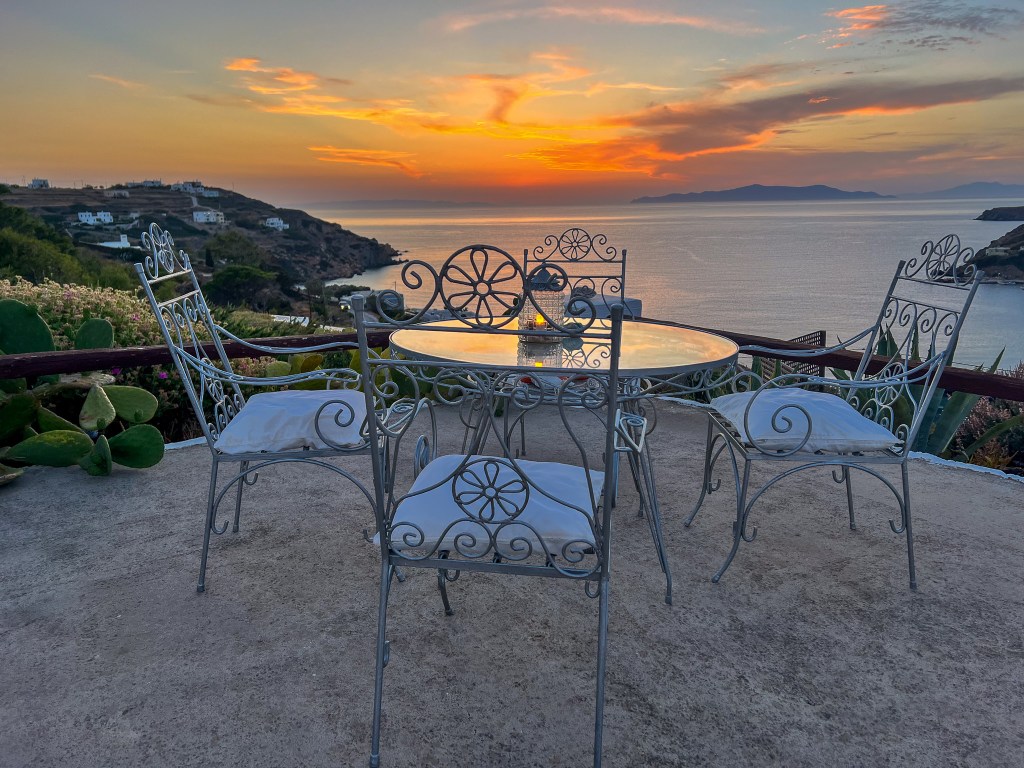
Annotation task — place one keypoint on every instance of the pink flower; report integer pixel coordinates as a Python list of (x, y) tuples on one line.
[(162, 375), (115, 371)]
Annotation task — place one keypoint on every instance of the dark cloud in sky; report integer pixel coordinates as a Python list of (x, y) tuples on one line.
[(936, 24)]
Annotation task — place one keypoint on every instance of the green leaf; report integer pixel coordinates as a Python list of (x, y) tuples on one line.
[(96, 333), (132, 404), (60, 448), (97, 410), (98, 462), (139, 447)]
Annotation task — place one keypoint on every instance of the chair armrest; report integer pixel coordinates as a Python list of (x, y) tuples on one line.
[(211, 371), (807, 353), (265, 350), (902, 378)]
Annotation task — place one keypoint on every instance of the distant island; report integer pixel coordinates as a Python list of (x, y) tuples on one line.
[(972, 190), (762, 193)]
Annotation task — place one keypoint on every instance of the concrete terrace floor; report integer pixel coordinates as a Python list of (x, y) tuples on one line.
[(811, 651)]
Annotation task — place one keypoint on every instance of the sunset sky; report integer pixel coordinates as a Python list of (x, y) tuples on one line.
[(511, 100)]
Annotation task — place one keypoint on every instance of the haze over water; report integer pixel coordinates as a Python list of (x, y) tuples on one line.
[(773, 269)]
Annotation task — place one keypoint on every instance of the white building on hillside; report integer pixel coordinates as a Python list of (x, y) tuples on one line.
[(207, 217), (117, 193), (92, 219), (275, 222), (39, 184), (209, 192)]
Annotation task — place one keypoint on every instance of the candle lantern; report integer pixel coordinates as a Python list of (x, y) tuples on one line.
[(545, 301)]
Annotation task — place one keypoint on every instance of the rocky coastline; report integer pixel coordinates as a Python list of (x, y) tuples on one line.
[(1003, 258)]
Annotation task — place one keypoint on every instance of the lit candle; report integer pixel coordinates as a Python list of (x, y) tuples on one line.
[(539, 323)]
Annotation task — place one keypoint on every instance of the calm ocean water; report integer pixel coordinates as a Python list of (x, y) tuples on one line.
[(774, 269)]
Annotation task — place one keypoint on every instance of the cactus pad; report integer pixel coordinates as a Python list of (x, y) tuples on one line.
[(132, 404), (22, 330), (49, 421), (98, 461), (97, 410), (96, 333), (16, 414), (138, 447), (9, 474), (60, 448)]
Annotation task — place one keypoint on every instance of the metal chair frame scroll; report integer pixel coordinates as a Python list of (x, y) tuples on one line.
[(924, 309), (485, 509), (215, 390)]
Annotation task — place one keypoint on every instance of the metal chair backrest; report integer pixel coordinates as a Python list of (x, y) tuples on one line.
[(592, 267), (916, 332), (189, 331), (485, 280)]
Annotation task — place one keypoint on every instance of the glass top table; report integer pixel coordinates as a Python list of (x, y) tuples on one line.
[(648, 349)]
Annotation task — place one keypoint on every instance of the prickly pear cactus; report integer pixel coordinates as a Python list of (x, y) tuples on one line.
[(22, 330), (59, 448), (132, 404), (97, 411), (138, 447), (98, 462), (96, 333)]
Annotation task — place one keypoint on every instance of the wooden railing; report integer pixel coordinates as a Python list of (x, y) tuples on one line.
[(77, 361)]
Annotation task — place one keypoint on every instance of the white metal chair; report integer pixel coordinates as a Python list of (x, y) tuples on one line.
[(491, 511), (800, 420), (267, 428), (593, 269)]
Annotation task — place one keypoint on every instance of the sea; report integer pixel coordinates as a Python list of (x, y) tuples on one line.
[(770, 269)]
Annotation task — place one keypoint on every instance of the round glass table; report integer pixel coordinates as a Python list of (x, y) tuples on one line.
[(648, 349)]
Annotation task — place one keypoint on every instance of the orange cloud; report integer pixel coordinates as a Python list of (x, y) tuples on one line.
[(865, 17), (372, 157), (658, 139), (277, 80)]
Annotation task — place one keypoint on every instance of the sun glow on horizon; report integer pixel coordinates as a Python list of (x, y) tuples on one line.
[(592, 101)]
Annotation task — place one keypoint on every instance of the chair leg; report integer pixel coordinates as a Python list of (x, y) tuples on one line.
[(910, 530), (602, 654), (849, 497), (634, 470), (442, 587), (706, 483), (383, 654), (242, 482), (210, 502), (654, 519), (741, 521)]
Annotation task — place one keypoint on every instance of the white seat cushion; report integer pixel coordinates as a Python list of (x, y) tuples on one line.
[(836, 426), (284, 421), (493, 492)]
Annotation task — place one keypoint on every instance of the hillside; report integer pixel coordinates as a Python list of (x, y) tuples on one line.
[(1003, 258), (762, 193), (309, 248), (1002, 214)]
